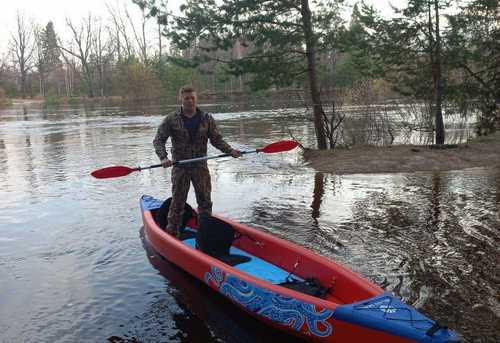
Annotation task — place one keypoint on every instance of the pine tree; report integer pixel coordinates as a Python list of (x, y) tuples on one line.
[(51, 52), (47, 55)]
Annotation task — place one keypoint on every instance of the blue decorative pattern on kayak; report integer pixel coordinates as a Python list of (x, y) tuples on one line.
[(149, 203), (278, 308)]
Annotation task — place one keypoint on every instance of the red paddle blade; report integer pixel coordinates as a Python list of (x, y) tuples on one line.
[(115, 171), (279, 147)]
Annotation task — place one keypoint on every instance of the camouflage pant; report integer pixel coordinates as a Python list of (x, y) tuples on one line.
[(181, 181)]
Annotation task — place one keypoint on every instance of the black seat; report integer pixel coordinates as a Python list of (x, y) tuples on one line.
[(215, 237)]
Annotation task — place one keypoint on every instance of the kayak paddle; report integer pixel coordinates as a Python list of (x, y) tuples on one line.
[(119, 171)]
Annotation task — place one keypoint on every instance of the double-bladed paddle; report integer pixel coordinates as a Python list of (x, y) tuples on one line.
[(118, 171)]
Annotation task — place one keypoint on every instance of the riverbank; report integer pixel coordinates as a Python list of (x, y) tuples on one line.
[(480, 152)]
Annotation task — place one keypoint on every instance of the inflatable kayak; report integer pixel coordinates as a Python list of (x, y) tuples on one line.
[(287, 286)]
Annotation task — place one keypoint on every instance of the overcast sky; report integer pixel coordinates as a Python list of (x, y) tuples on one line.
[(57, 10)]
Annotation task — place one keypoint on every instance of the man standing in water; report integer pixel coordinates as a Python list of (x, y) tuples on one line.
[(189, 129)]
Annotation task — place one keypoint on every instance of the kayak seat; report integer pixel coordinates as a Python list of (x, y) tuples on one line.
[(215, 237), (255, 266)]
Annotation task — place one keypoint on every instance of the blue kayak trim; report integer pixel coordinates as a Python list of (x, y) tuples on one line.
[(387, 313), (148, 203)]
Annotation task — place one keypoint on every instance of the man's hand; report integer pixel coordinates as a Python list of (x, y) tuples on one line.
[(235, 153), (166, 163)]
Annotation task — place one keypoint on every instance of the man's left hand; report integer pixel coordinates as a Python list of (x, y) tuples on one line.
[(235, 153)]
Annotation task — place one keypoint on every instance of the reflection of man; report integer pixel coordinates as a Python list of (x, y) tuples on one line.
[(189, 129)]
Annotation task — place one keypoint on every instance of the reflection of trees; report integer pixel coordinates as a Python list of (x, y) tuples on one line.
[(30, 165), (4, 160), (292, 220), (288, 220), (435, 209), (55, 154), (319, 191)]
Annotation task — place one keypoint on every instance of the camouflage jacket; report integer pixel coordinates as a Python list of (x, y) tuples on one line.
[(183, 147)]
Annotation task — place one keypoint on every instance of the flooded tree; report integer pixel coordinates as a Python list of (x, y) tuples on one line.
[(22, 47), (409, 46)]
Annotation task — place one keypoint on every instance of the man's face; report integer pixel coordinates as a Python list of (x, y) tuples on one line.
[(189, 101)]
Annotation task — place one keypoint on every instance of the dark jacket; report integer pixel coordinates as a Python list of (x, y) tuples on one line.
[(183, 146)]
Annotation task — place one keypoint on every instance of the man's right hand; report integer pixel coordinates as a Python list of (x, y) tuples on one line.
[(166, 163)]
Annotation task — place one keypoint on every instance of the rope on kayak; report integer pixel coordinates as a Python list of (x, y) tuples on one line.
[(389, 309), (435, 328)]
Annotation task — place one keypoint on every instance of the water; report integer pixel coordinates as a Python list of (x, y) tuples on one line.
[(73, 265)]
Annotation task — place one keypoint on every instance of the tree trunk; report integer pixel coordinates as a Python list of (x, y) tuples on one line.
[(23, 83), (43, 84), (438, 80), (159, 42), (319, 125), (88, 79)]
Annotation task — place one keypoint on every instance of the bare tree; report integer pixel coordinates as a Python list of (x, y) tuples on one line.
[(102, 52), (69, 72), (140, 37), (83, 38), (121, 34), (22, 47)]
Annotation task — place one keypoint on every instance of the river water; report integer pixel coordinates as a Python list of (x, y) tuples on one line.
[(74, 268)]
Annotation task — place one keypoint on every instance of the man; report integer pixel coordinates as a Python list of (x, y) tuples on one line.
[(189, 129)]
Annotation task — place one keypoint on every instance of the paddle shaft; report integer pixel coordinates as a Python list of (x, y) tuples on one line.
[(118, 171), (198, 159)]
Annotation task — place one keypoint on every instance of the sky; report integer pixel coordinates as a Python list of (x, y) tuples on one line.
[(57, 10)]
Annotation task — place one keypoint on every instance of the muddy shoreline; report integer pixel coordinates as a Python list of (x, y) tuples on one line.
[(481, 152)]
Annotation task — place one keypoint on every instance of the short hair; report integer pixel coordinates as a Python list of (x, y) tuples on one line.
[(186, 89)]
